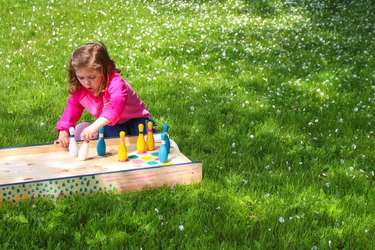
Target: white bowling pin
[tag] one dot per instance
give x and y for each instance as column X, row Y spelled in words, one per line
column 83, row 151
column 73, row 148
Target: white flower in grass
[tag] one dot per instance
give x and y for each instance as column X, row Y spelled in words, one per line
column 281, row 220
column 181, row 227
column 245, row 103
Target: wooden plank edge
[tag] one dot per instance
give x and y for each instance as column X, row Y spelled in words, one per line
column 54, row 188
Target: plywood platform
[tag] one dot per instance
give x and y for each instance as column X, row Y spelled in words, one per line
column 42, row 171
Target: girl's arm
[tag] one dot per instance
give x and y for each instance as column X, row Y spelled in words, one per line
column 91, row 131
column 115, row 99
column 72, row 113
column 64, row 139
column 70, row 116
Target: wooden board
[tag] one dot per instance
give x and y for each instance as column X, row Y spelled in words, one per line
column 42, row 171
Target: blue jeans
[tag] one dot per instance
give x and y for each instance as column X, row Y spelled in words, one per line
column 130, row 127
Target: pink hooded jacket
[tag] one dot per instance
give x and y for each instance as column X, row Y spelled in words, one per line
column 119, row 103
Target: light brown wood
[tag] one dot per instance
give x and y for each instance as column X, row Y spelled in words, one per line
column 25, row 170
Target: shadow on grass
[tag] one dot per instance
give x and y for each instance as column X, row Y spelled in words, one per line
column 307, row 110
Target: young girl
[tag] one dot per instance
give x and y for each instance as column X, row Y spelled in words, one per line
column 95, row 85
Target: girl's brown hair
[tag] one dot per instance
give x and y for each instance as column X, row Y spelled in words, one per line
column 90, row 55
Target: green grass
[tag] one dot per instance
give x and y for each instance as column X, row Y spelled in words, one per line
column 276, row 98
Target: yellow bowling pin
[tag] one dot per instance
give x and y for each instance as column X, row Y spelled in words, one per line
column 122, row 152
column 141, row 146
column 150, row 141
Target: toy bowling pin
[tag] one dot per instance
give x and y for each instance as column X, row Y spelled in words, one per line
column 83, row 151
column 150, row 141
column 141, row 146
column 100, row 146
column 73, row 148
column 163, row 153
column 167, row 142
column 122, row 153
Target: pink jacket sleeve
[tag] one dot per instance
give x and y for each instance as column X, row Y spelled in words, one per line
column 117, row 94
column 71, row 114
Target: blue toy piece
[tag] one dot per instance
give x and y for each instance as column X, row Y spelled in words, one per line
column 167, row 142
column 163, row 153
column 146, row 127
column 100, row 146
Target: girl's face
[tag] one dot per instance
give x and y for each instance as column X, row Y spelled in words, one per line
column 90, row 79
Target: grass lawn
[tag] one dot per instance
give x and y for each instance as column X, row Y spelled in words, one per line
column 276, row 98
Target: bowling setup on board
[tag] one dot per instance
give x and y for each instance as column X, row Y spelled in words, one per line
column 126, row 163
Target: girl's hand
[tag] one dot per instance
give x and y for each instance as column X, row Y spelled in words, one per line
column 92, row 132
column 64, row 139
column 89, row 133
